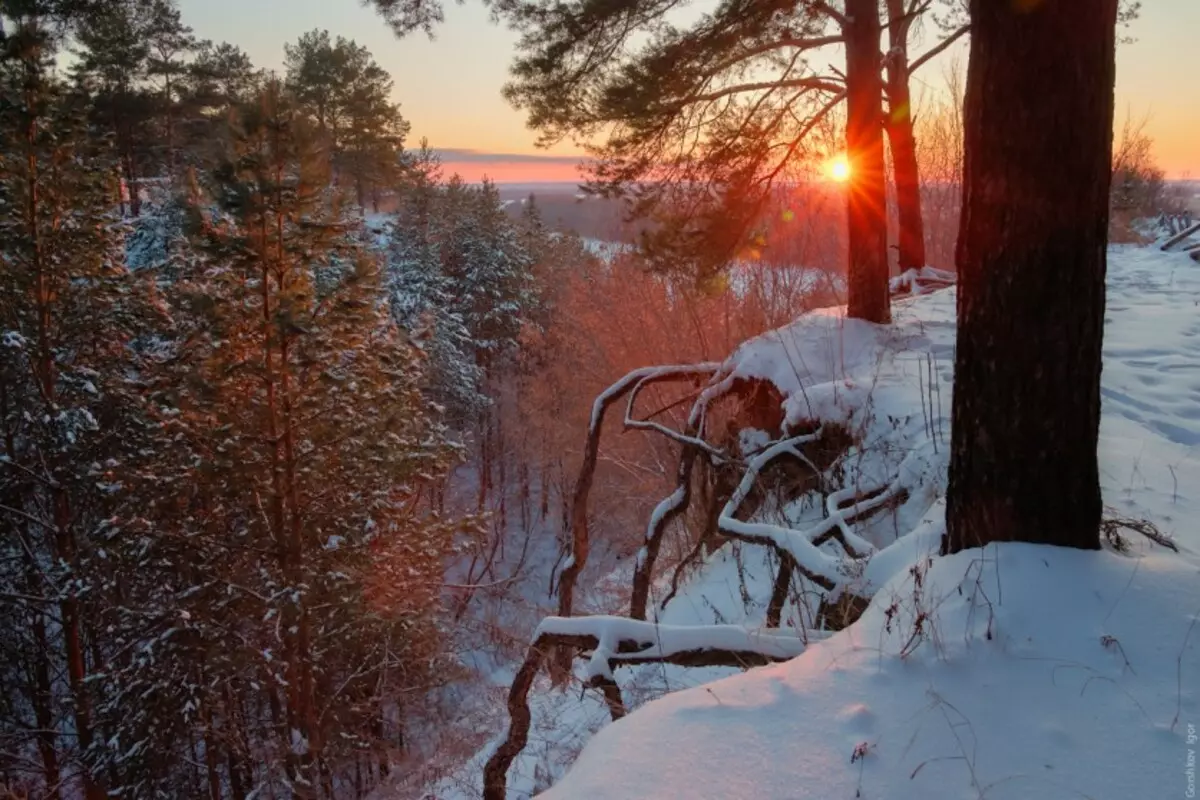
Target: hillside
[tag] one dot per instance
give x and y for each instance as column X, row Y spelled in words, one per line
column 1019, row 671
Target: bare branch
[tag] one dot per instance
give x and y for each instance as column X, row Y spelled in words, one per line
column 940, row 48
column 817, row 84
column 587, row 470
column 831, row 12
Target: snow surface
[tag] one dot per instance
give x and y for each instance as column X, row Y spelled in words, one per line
column 1073, row 695
column 1034, row 672
column 1019, row 671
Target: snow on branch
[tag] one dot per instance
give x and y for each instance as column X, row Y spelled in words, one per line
column 610, row 642
column 803, row 546
column 639, row 378
column 643, row 376
column 618, row 641
column 921, row 281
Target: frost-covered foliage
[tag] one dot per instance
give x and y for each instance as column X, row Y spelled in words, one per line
column 214, row 476
column 459, row 278
column 77, row 432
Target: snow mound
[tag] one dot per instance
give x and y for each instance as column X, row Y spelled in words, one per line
column 1034, row 673
column 1090, row 656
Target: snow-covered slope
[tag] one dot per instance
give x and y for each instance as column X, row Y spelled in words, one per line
column 1015, row 672
column 1038, row 673
column 1033, row 673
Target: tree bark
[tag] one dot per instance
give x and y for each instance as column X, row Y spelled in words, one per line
column 866, row 192
column 1031, row 265
column 903, row 141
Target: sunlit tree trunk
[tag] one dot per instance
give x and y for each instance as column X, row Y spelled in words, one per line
column 901, row 138
column 866, row 191
column 1031, row 264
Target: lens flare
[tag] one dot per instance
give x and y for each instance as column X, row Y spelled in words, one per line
column 838, row 169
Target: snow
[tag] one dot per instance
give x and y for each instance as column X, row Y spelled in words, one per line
column 1019, row 671
column 665, row 640
column 1090, row 654
column 920, row 281
column 998, row 698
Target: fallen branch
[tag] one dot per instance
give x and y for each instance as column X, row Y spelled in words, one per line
column 618, row 641
column 611, row 642
column 583, row 486
column 1179, row 237
column 1112, row 525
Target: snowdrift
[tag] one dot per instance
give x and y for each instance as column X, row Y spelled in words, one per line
column 1021, row 671
column 1014, row 672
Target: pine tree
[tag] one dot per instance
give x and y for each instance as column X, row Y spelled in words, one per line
column 220, row 77
column 339, row 85
column 113, row 54
column 322, row 445
column 169, row 43
column 69, row 311
column 423, row 301
column 1031, row 264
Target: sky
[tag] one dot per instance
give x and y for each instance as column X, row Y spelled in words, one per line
column 449, row 88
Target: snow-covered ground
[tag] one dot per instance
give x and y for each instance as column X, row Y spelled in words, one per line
column 1015, row 672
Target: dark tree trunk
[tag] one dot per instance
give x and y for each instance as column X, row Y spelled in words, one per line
column 866, row 193
column 43, row 702
column 1031, row 264
column 903, row 142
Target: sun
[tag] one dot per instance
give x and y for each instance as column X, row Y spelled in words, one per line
column 838, row 169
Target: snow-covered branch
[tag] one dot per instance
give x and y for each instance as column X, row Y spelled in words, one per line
column 631, row 422
column 618, row 641
column 639, row 378
column 803, row 546
column 610, row 642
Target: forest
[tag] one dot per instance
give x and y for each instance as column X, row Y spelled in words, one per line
column 327, row 473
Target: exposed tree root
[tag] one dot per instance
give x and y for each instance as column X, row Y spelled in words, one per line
column 664, row 513
column 611, row 642
column 779, row 590
column 638, row 379
column 678, row 501
column 1112, row 525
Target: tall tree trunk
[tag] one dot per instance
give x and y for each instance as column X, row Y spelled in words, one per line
column 41, row 693
column 211, row 756
column 169, row 100
column 43, row 700
column 1031, row 264
column 866, row 192
column 302, row 697
column 279, row 532
column 62, row 542
column 903, row 141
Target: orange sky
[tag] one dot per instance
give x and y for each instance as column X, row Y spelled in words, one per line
column 449, row 88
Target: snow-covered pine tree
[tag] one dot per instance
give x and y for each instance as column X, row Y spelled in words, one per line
column 318, row 450
column 422, row 297
column 337, row 83
column 70, row 410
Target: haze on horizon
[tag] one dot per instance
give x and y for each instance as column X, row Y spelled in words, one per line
column 449, row 88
